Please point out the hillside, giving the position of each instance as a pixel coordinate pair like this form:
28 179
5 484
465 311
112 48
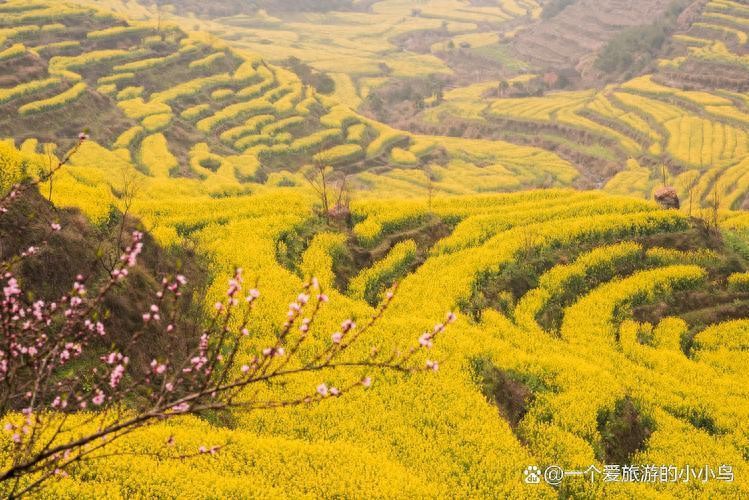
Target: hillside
594 326
571 37
689 117
174 104
551 284
443 70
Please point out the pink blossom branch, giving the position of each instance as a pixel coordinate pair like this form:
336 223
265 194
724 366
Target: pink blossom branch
41 388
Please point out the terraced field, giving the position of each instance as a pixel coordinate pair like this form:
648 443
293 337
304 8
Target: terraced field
174 104
370 43
692 125
573 36
625 137
594 327
552 284
714 49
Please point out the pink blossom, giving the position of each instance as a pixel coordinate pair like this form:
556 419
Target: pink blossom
304 327
12 289
323 298
334 391
347 325
98 399
425 340
112 358
322 390
116 376
432 365
56 227
336 337
245 368
198 362
180 408
366 381
157 367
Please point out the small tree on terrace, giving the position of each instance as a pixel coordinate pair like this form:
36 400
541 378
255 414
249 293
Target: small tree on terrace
319 177
503 88
331 187
53 372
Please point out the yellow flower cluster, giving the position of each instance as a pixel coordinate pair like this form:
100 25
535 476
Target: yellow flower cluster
54 102
739 282
344 153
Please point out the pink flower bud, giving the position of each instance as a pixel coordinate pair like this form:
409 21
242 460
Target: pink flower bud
425 340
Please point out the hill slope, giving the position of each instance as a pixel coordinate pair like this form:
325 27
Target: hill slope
174 104
689 117
552 284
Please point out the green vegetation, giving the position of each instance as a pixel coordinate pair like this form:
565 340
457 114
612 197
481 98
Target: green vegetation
554 7
633 49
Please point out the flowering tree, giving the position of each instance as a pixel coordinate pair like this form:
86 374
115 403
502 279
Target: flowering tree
62 399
